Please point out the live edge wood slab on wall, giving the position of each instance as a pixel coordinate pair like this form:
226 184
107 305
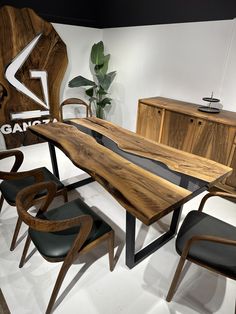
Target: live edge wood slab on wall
181 125
19 27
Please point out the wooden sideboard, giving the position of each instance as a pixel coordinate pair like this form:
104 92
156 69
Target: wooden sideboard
181 125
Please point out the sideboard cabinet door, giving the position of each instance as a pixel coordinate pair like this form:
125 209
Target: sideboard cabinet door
231 180
178 130
150 121
213 140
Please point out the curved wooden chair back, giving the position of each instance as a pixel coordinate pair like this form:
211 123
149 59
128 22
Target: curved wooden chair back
198 238
25 200
75 101
19 157
81 225
20 179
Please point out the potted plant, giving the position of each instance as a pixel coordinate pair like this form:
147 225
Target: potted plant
98 89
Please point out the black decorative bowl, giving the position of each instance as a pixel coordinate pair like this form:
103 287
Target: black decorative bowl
208 108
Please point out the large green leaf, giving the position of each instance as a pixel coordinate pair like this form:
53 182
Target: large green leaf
98 89
102 68
106 80
101 91
89 91
100 79
79 81
97 53
97 68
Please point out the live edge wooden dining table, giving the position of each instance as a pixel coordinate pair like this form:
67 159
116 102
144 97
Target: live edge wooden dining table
148 179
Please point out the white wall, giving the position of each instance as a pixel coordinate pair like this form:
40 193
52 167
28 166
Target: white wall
228 90
184 61
79 41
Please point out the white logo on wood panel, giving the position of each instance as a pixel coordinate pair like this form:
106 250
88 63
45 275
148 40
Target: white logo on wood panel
10 75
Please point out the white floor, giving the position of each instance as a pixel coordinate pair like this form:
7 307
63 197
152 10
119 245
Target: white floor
89 287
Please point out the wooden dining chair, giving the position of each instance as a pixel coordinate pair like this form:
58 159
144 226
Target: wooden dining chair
206 241
62 233
75 101
14 181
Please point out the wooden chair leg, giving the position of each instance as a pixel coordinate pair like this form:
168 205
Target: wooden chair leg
65 195
15 235
1 202
111 250
175 279
62 273
26 247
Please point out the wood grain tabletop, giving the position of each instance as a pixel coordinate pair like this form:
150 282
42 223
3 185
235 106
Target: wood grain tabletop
144 194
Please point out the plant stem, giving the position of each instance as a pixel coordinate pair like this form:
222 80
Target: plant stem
99 112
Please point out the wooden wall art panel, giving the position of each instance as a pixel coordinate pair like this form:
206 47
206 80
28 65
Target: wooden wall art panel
32 65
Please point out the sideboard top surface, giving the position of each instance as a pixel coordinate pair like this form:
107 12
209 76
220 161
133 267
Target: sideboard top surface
224 116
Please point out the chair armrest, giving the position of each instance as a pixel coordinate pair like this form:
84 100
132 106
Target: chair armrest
205 238
75 101
86 223
36 173
19 157
211 194
39 224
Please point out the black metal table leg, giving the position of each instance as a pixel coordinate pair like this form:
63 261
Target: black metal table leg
130 240
56 171
53 160
132 257
175 220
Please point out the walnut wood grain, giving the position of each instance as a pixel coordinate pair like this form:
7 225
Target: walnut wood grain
192 241
25 200
176 160
153 117
198 136
18 28
231 181
184 127
145 195
142 193
225 116
13 174
178 131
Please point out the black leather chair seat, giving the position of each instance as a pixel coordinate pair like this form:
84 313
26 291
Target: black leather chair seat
57 244
220 256
10 188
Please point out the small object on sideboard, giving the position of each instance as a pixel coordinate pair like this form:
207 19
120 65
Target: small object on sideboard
210 108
